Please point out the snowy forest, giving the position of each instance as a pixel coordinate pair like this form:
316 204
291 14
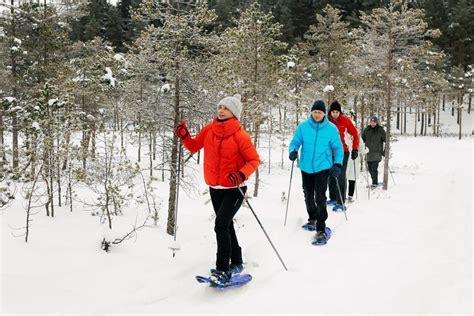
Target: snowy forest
91 92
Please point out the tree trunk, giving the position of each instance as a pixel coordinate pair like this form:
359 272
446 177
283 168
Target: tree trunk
15 95
444 101
469 104
15 143
174 158
2 145
362 127
154 144
422 122
355 110
405 120
270 132
28 209
416 115
58 170
257 174
452 106
398 112
85 134
457 112
163 157
150 149
460 114
437 119
139 138
389 123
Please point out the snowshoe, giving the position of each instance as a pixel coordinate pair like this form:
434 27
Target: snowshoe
339 208
322 237
220 278
310 226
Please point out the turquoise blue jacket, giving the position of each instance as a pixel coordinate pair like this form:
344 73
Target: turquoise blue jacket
318 142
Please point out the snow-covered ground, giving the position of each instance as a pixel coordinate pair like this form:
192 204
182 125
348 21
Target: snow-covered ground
406 250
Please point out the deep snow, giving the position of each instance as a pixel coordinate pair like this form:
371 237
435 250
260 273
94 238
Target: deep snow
407 250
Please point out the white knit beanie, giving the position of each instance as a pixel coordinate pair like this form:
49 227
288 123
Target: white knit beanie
233 104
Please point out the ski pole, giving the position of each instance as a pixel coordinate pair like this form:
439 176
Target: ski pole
367 169
390 171
263 229
340 196
175 247
289 191
355 179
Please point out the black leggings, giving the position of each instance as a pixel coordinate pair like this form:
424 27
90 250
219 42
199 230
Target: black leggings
226 203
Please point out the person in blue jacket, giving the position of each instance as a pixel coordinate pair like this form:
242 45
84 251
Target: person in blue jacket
318 139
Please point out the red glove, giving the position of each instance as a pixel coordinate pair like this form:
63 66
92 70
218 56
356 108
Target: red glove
236 178
182 130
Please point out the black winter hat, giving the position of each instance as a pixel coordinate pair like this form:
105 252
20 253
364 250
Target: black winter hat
374 119
335 106
319 105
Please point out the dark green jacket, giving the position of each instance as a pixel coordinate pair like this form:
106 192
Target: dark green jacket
374 139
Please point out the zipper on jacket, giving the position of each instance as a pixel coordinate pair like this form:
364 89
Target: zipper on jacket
315 143
221 139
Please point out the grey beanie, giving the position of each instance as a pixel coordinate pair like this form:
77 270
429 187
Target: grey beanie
233 104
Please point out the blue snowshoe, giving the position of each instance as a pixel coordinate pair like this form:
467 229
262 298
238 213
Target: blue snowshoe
322 237
339 208
221 279
310 226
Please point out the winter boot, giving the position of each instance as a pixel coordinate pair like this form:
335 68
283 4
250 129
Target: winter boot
220 278
310 225
331 202
321 238
236 268
338 208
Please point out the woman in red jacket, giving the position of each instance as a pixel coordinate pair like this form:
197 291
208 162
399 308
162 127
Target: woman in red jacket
343 124
229 159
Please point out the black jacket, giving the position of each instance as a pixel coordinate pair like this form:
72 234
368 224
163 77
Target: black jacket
374 139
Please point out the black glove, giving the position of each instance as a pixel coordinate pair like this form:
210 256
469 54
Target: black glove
293 155
335 170
236 178
182 130
354 154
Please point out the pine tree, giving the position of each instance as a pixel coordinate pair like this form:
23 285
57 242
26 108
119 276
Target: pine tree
328 44
177 41
392 33
248 64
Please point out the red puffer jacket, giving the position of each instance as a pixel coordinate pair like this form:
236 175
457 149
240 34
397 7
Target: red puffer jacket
344 123
227 148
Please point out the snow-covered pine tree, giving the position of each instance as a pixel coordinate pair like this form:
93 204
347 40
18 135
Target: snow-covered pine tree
328 45
392 32
177 39
249 64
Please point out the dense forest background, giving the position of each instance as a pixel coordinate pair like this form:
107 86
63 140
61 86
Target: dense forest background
454 18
